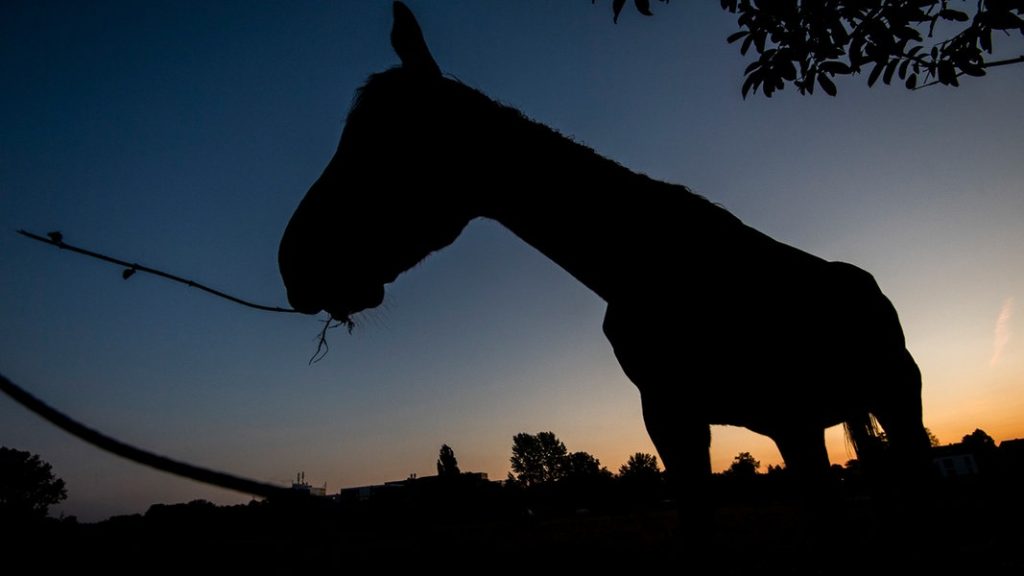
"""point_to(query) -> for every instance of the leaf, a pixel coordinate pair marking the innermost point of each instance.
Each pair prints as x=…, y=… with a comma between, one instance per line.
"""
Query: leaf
x=746, y=44
x=953, y=15
x=835, y=67
x=912, y=82
x=1003, y=20
x=903, y=68
x=875, y=73
x=985, y=38
x=947, y=74
x=857, y=51
x=759, y=39
x=907, y=33
x=972, y=69
x=55, y=237
x=827, y=85
x=736, y=36
x=127, y=273
x=643, y=7
x=752, y=82
x=787, y=70
x=890, y=68
x=616, y=8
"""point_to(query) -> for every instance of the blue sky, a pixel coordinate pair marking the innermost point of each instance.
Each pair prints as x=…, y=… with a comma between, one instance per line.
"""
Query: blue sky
x=183, y=135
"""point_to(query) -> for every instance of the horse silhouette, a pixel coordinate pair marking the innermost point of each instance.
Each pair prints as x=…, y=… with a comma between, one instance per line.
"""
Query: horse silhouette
x=713, y=321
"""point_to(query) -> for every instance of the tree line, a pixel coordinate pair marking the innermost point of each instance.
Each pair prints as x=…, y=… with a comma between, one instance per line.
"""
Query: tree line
x=540, y=462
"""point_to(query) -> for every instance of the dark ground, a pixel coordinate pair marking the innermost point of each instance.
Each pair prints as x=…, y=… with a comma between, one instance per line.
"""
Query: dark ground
x=961, y=528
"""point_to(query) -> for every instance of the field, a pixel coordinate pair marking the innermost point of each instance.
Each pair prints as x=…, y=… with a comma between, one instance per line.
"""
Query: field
x=967, y=528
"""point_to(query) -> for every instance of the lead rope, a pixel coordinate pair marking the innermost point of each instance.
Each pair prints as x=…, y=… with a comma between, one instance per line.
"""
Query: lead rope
x=137, y=455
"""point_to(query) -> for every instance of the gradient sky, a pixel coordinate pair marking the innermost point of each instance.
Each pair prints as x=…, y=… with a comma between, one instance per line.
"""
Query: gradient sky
x=182, y=135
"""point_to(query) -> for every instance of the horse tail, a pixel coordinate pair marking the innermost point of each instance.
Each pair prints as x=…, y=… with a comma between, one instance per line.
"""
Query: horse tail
x=862, y=431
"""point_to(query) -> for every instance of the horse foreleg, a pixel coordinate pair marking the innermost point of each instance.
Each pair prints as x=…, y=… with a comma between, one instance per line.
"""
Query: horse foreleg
x=684, y=446
x=805, y=456
x=818, y=510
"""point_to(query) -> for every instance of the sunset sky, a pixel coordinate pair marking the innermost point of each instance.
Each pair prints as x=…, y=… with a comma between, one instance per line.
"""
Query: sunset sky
x=182, y=135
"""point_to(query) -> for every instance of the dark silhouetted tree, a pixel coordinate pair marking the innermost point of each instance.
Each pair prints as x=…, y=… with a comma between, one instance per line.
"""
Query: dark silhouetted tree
x=979, y=440
x=808, y=44
x=537, y=458
x=640, y=466
x=933, y=440
x=583, y=467
x=984, y=449
x=744, y=465
x=640, y=479
x=447, y=465
x=27, y=486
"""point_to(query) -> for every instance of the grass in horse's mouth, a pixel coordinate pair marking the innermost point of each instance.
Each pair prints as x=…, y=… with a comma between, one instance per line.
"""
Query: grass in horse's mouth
x=331, y=322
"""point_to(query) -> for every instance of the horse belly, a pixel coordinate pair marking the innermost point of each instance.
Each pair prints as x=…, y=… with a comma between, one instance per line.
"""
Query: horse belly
x=752, y=358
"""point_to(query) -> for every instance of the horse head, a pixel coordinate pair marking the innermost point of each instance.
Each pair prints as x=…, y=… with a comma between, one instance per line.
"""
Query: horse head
x=386, y=199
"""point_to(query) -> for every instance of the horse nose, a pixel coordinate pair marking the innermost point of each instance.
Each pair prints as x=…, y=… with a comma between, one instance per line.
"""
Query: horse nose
x=302, y=302
x=352, y=300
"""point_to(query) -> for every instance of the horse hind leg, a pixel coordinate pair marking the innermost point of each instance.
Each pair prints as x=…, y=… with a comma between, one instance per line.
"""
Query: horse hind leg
x=899, y=412
x=905, y=486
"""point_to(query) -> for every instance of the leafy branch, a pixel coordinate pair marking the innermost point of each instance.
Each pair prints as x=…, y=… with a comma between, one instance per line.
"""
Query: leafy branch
x=642, y=6
x=810, y=43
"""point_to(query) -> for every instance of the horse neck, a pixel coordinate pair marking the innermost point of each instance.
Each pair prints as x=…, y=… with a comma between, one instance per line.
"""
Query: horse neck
x=588, y=214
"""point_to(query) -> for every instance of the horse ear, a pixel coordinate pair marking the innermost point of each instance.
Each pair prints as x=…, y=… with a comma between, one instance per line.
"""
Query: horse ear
x=407, y=40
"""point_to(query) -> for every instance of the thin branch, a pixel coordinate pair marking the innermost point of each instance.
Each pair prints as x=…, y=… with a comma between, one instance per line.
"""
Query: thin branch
x=1007, y=62
x=137, y=455
x=57, y=239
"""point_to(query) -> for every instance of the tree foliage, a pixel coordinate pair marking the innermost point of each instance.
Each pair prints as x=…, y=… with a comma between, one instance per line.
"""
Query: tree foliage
x=642, y=6
x=979, y=441
x=919, y=42
x=581, y=466
x=27, y=486
x=537, y=458
x=744, y=465
x=984, y=449
x=640, y=466
x=447, y=464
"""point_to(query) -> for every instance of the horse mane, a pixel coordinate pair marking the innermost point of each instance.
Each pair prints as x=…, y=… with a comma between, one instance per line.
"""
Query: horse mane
x=397, y=88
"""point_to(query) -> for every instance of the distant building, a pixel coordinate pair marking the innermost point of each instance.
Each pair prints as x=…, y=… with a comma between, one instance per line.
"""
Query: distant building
x=410, y=484
x=300, y=485
x=964, y=460
x=1011, y=456
x=954, y=461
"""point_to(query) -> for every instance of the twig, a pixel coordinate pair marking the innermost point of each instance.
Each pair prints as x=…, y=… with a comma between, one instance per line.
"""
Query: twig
x=57, y=239
x=321, y=344
x=137, y=455
x=1007, y=62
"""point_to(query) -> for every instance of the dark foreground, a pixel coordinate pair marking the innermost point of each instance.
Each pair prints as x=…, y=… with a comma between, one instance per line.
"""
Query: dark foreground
x=963, y=528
